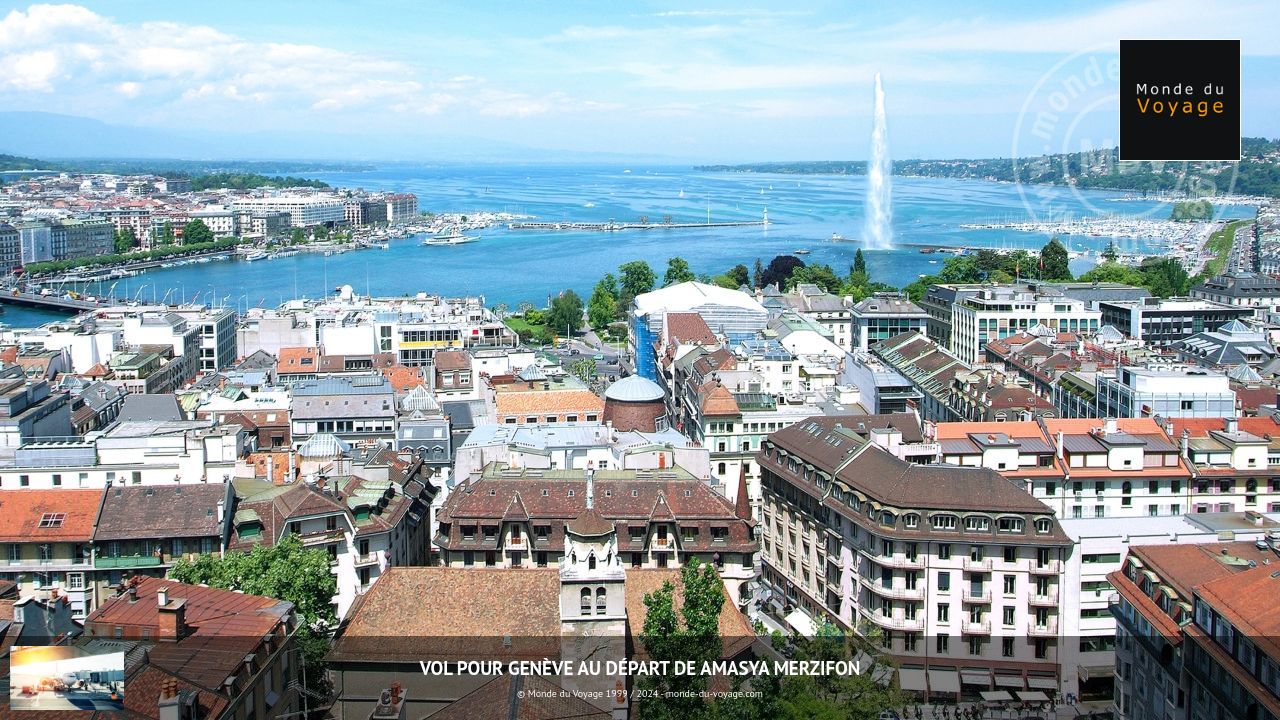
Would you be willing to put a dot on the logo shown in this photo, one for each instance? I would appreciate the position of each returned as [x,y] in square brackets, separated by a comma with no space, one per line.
[1180,100]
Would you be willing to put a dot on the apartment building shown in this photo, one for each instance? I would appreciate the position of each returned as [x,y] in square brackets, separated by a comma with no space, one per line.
[930,368]
[1255,291]
[1235,463]
[957,568]
[352,408]
[813,303]
[1195,629]
[304,210]
[30,410]
[1163,321]
[10,248]
[401,207]
[996,312]
[882,316]
[517,517]
[48,543]
[1139,391]
[209,653]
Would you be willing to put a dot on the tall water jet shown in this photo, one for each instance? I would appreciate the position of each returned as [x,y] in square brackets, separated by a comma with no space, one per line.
[877,234]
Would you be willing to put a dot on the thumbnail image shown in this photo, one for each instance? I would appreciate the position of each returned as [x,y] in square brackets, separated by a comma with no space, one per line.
[65,678]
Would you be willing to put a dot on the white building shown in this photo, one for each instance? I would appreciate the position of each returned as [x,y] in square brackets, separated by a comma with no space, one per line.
[304,210]
[997,312]
[1164,390]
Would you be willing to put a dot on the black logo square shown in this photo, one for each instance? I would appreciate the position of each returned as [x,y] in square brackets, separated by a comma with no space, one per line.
[1179,99]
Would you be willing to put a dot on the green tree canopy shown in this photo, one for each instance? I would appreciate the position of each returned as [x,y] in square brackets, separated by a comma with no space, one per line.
[739,275]
[125,241]
[697,639]
[677,272]
[565,313]
[779,271]
[196,232]
[1054,261]
[821,275]
[637,278]
[602,308]
[859,262]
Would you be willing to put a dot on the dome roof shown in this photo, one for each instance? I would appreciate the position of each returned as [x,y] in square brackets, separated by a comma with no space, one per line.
[634,389]
[323,445]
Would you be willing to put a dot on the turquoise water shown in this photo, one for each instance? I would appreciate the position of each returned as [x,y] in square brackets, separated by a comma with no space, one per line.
[513,265]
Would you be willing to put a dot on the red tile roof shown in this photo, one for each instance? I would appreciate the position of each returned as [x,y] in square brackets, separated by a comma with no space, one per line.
[402,378]
[59,515]
[452,360]
[1200,427]
[298,360]
[684,328]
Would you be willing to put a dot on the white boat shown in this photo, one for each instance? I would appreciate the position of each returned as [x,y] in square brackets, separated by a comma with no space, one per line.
[836,237]
[802,252]
[452,238]
[589,205]
[255,255]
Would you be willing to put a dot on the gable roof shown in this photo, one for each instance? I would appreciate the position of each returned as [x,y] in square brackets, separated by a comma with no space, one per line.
[161,511]
[58,514]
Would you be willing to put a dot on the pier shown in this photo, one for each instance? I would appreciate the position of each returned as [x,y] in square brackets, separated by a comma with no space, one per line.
[612,226]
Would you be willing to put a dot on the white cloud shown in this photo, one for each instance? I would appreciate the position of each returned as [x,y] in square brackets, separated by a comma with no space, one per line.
[129,89]
[29,71]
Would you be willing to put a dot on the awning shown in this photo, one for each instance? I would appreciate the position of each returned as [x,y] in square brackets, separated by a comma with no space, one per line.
[1044,683]
[975,677]
[996,696]
[801,623]
[1033,696]
[944,681]
[911,679]
[1014,681]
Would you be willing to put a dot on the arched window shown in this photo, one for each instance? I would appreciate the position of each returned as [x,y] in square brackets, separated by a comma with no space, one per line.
[591,561]
[1251,485]
[1126,488]
[600,601]
[586,601]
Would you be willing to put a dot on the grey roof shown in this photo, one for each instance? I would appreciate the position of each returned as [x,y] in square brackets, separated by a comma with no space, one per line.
[359,385]
[99,395]
[459,412]
[324,445]
[420,400]
[342,406]
[160,511]
[150,408]
[634,388]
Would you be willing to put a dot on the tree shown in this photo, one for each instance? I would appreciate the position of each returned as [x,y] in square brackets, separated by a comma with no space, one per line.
[637,278]
[696,640]
[854,695]
[584,368]
[501,310]
[1165,277]
[1054,261]
[196,232]
[523,308]
[739,275]
[859,262]
[1110,254]
[166,235]
[125,241]
[565,313]
[779,271]
[321,232]
[602,308]
[1113,272]
[677,272]
[757,274]
[297,236]
[287,571]
[821,275]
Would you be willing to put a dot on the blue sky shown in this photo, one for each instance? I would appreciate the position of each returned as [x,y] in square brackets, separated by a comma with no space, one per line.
[689,80]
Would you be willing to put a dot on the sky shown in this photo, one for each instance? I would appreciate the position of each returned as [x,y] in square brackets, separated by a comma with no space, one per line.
[699,81]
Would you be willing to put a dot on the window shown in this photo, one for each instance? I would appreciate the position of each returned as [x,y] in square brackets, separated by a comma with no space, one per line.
[942,643]
[490,558]
[1006,647]
[1008,617]
[944,551]
[585,602]
[24,481]
[601,603]
[1010,584]
[51,520]
[1010,554]
[944,613]
[944,581]
[57,480]
[1011,525]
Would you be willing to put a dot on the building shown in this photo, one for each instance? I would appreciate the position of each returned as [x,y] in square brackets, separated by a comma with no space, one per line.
[264,223]
[48,540]
[1229,346]
[828,310]
[531,397]
[724,311]
[880,388]
[997,312]
[366,523]
[1195,629]
[401,207]
[1164,390]
[65,239]
[222,222]
[1164,321]
[451,374]
[133,216]
[1235,463]
[143,530]
[517,517]
[352,408]
[882,316]
[957,567]
[304,210]
[30,410]
[10,248]
[1260,293]
[208,653]
[929,367]
[635,403]
[504,615]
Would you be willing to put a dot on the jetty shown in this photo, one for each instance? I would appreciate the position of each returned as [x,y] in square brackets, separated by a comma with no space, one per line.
[53,302]
[614,226]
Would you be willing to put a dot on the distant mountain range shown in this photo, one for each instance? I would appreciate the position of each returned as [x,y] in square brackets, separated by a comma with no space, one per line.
[1258,170]
[53,137]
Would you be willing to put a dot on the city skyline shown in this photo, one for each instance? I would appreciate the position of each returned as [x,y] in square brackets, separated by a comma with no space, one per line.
[664,82]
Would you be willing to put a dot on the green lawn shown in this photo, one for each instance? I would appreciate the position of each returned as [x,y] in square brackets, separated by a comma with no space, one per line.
[1220,245]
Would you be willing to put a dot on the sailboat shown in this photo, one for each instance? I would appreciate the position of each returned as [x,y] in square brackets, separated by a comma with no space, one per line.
[681,192]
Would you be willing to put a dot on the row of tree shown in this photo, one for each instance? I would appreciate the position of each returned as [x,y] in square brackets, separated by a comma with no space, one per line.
[161,251]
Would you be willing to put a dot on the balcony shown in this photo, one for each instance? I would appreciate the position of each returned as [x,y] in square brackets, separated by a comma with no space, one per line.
[982,627]
[1043,600]
[1052,567]
[324,537]
[517,543]
[50,564]
[976,596]
[368,559]
[1048,628]
[896,593]
[663,544]
[127,561]
[897,623]
[972,565]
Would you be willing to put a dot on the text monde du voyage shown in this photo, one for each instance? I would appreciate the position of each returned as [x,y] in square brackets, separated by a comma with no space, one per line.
[1181,99]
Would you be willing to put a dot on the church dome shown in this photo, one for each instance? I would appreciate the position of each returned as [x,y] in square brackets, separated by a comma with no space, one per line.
[634,389]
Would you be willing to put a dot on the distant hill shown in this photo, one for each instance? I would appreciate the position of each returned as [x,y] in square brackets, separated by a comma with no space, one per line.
[1259,170]
[15,162]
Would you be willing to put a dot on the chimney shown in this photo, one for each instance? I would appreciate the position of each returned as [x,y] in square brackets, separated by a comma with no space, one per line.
[1110,426]
[391,704]
[170,702]
[1185,443]
[1059,445]
[133,595]
[222,510]
[173,620]
[1232,424]
[162,595]
[591,486]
